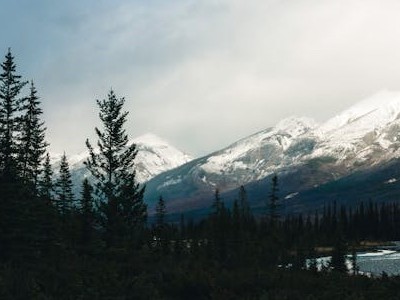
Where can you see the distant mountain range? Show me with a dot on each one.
(351, 157)
(313, 161)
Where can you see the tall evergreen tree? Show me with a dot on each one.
(113, 168)
(217, 204)
(10, 107)
(63, 185)
(273, 199)
(338, 261)
(32, 140)
(15, 207)
(46, 186)
(160, 212)
(87, 213)
(245, 212)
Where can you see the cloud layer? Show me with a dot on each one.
(201, 73)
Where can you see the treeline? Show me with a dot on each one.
(99, 245)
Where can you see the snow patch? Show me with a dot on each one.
(377, 253)
(292, 195)
(392, 180)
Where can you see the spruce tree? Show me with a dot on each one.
(32, 140)
(63, 185)
(236, 217)
(245, 213)
(10, 107)
(15, 206)
(87, 213)
(46, 186)
(160, 213)
(112, 165)
(216, 206)
(338, 261)
(273, 199)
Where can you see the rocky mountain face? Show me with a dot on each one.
(306, 155)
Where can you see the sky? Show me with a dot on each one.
(200, 73)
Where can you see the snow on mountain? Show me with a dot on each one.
(251, 153)
(373, 112)
(367, 127)
(365, 135)
(154, 157)
(245, 161)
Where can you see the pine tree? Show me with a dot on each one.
(353, 261)
(32, 140)
(160, 213)
(10, 107)
(236, 217)
(216, 206)
(15, 205)
(161, 228)
(63, 185)
(46, 186)
(338, 261)
(273, 199)
(87, 213)
(123, 210)
(245, 212)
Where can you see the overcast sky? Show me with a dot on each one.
(200, 73)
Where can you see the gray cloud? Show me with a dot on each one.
(202, 73)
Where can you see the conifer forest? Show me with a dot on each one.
(104, 244)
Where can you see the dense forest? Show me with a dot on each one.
(100, 245)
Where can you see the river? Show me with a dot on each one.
(385, 259)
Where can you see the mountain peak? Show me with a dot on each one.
(150, 139)
(295, 125)
(373, 112)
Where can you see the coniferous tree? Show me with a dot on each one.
(32, 140)
(273, 199)
(46, 186)
(63, 185)
(245, 212)
(338, 261)
(123, 210)
(15, 209)
(10, 107)
(160, 212)
(161, 229)
(236, 216)
(217, 204)
(87, 213)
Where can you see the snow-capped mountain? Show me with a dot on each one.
(365, 130)
(263, 153)
(154, 157)
(365, 135)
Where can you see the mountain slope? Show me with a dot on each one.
(305, 155)
(154, 157)
(364, 131)
(245, 161)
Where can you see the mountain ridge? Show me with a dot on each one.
(364, 135)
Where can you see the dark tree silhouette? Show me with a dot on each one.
(273, 199)
(63, 185)
(10, 107)
(112, 165)
(32, 140)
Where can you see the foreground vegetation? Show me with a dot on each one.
(99, 245)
